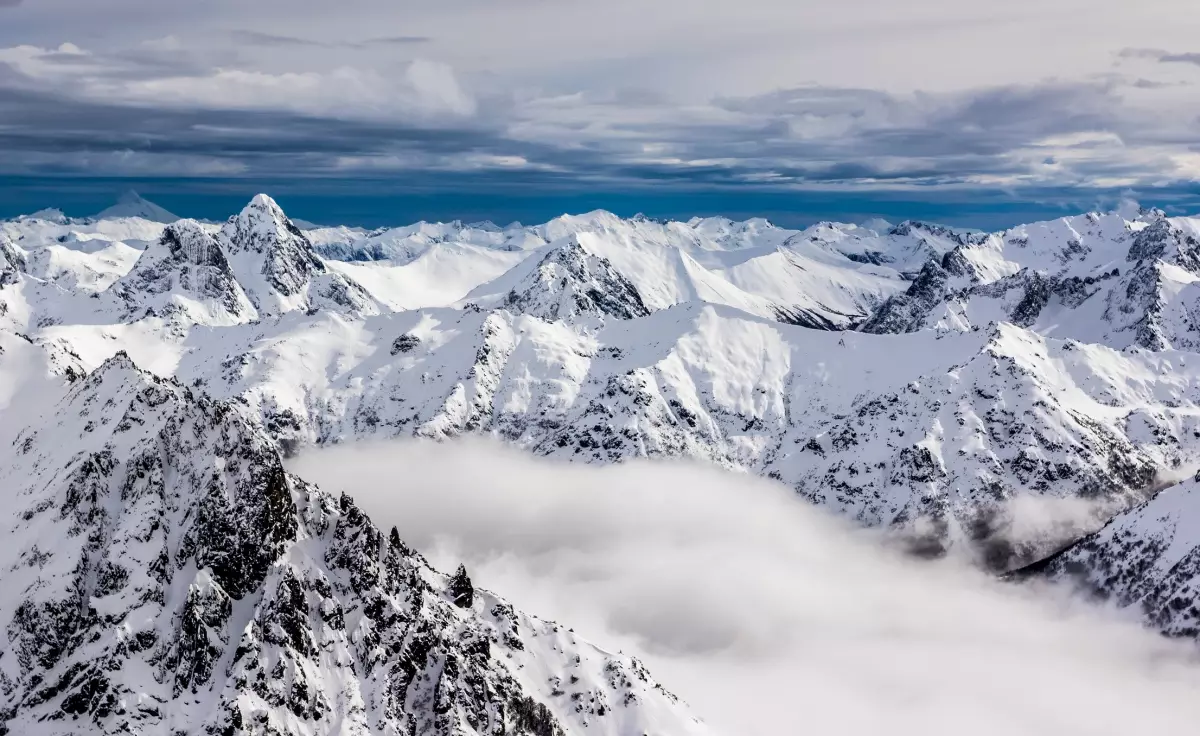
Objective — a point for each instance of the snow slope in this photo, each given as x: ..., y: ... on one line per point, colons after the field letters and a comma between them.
x: 275, y: 264
x: 166, y: 574
x: 438, y: 276
x: 914, y: 376
x: 131, y: 204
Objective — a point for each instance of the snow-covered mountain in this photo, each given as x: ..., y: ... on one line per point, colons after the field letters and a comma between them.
x: 188, y: 273
x: 166, y: 575
x: 275, y: 264
x: 911, y: 376
x: 1147, y: 558
x: 131, y: 204
x: 1093, y: 278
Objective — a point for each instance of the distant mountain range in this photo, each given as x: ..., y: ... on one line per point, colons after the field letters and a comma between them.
x: 131, y: 204
x: 910, y: 376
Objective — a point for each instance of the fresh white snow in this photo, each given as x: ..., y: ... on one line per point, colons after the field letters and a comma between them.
x: 932, y: 380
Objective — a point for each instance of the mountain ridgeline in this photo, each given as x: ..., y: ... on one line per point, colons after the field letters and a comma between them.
x: 170, y: 576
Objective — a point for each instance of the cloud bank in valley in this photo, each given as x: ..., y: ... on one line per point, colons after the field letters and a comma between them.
x: 767, y: 615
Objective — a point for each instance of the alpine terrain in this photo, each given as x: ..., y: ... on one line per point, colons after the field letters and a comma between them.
x: 168, y: 575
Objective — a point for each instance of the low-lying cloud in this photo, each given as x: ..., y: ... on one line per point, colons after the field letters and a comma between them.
x: 766, y: 615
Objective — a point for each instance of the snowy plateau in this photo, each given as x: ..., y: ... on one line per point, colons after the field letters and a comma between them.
x: 166, y: 574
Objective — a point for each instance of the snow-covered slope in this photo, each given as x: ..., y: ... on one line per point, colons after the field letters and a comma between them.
x: 784, y: 284
x: 85, y: 235
x: 437, y: 276
x: 1148, y: 559
x: 402, y: 244
x: 904, y: 248
x: 131, y: 204
x: 164, y: 574
x: 275, y: 264
x: 187, y: 275
x: 753, y: 266
x: 913, y: 376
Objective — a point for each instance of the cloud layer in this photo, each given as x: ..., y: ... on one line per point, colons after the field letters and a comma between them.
x: 309, y: 95
x: 540, y: 99
x: 767, y: 616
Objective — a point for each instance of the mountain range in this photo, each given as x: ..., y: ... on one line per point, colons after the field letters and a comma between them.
x: 155, y: 372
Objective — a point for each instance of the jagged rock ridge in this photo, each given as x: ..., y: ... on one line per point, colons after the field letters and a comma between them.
x: 1147, y: 559
x: 1050, y: 360
x: 279, y: 269
x: 166, y: 574
x: 185, y: 272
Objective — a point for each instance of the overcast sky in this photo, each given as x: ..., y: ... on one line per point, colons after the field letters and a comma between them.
x: 527, y: 105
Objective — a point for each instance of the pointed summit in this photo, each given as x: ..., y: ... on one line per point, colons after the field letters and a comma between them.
x: 572, y: 284
x: 264, y: 201
x: 186, y: 275
x: 262, y: 226
x: 131, y: 204
x: 279, y: 269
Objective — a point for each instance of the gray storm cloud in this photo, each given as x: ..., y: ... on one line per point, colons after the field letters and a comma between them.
x: 765, y: 614
x: 821, y: 95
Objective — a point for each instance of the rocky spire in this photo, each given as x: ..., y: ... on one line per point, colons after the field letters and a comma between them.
x: 279, y: 269
x: 460, y: 590
x: 186, y: 273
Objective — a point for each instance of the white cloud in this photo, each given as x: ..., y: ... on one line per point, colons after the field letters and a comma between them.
x: 763, y: 613
x: 127, y: 162
x: 859, y: 93
x: 425, y: 90
x: 435, y: 84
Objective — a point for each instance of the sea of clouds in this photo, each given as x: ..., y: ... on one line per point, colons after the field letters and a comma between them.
x: 766, y: 615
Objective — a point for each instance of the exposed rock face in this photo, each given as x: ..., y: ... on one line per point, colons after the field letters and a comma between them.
x: 1164, y: 240
x: 186, y: 273
x: 12, y: 262
x: 572, y: 285
x: 1147, y: 558
x: 461, y: 592
x: 279, y: 269
x: 907, y: 312
x: 166, y: 574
